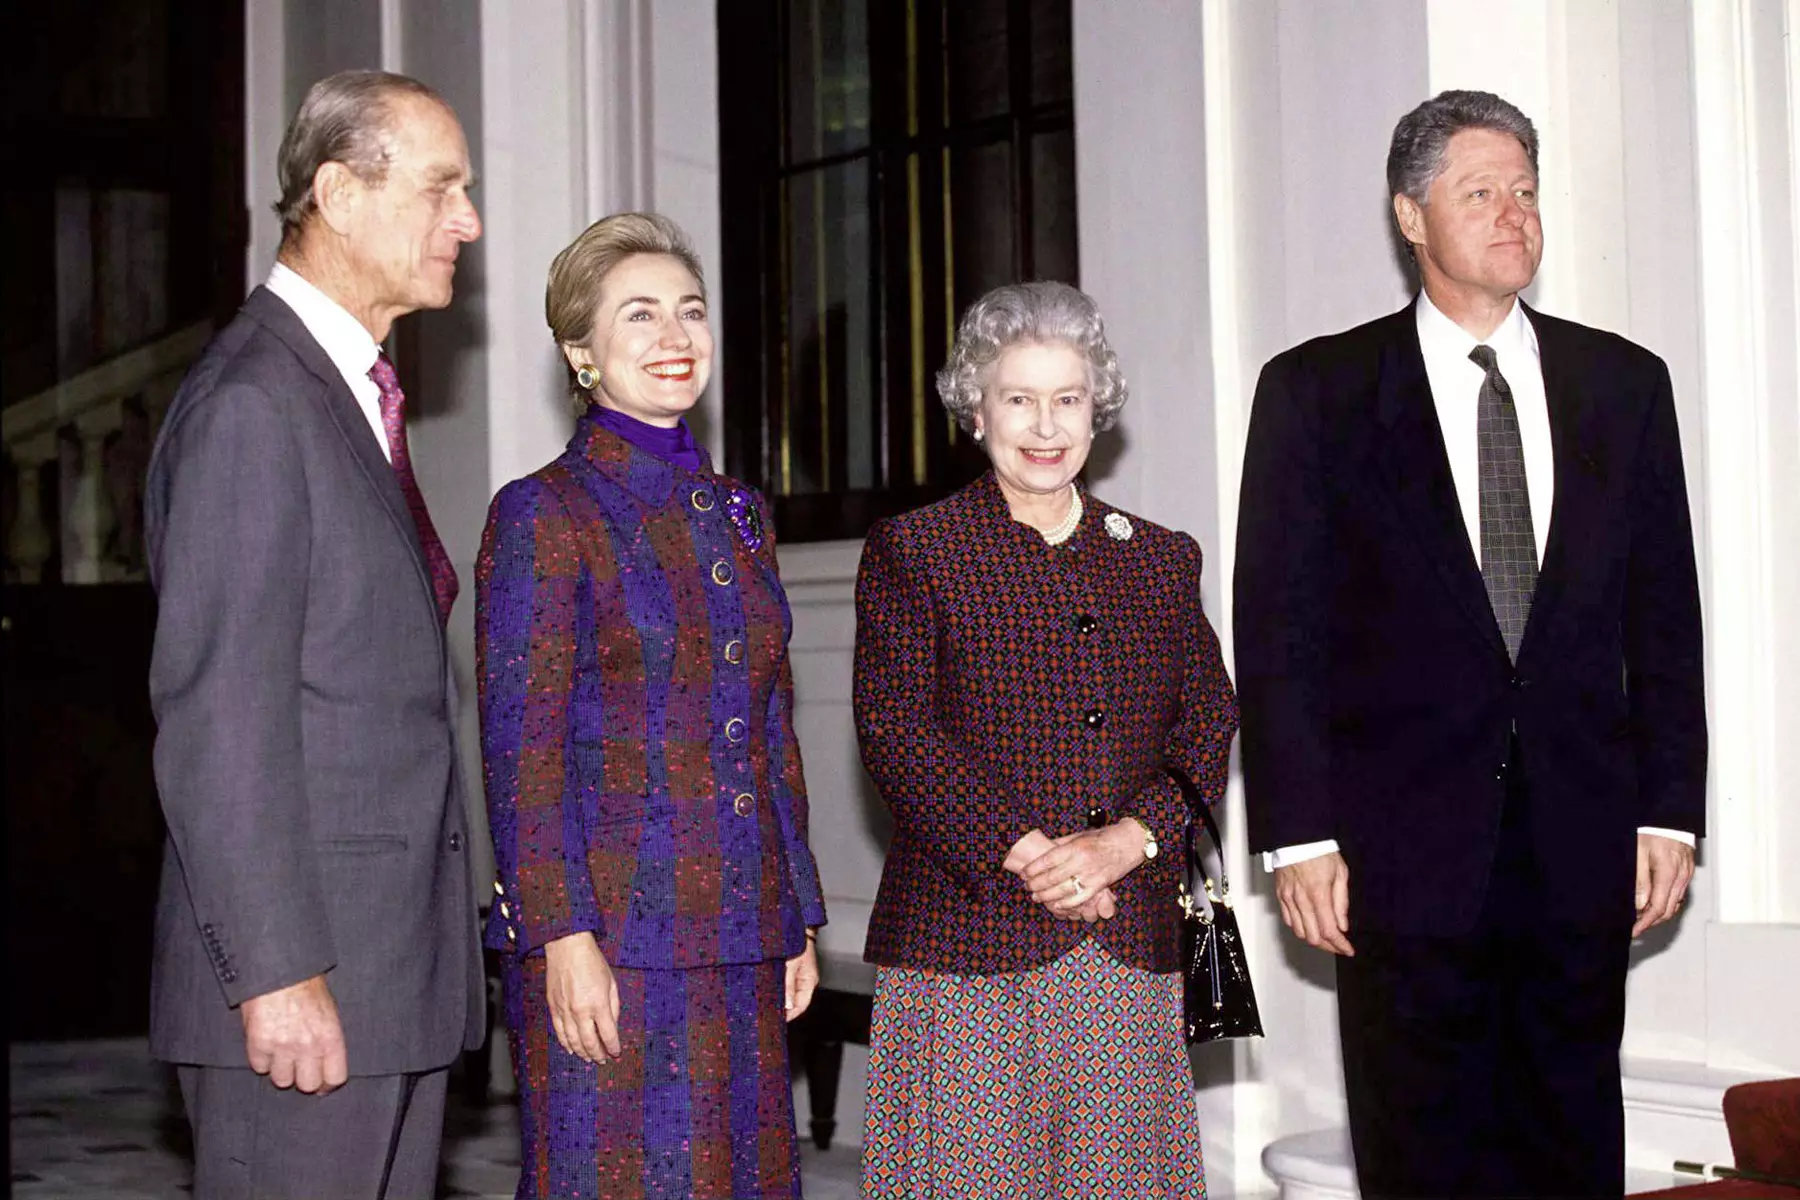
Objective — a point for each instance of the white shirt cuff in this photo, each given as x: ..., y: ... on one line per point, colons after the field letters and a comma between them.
x: 1287, y: 856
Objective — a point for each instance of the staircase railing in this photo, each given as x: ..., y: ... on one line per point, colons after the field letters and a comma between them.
x: 96, y: 429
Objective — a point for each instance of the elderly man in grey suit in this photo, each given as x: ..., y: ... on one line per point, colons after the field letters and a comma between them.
x: 316, y: 967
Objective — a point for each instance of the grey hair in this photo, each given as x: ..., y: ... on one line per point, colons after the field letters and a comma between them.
x: 344, y: 118
x: 572, y: 292
x: 1030, y: 313
x: 1422, y: 138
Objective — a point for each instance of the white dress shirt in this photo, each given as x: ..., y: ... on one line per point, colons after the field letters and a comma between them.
x: 351, y: 350
x: 1455, y: 393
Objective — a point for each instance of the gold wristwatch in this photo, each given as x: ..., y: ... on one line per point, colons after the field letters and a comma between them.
x: 1151, y: 849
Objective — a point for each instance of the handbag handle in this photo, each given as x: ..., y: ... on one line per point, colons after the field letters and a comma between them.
x: 1197, y: 804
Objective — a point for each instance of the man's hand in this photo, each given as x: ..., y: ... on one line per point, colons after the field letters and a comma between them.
x: 1665, y: 867
x: 584, y: 997
x: 802, y: 978
x: 292, y: 1035
x: 1315, y: 901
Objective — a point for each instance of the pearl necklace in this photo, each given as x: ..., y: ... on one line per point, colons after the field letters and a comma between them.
x: 1064, y: 529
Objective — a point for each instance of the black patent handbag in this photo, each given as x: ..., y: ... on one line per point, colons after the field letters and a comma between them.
x: 1220, y: 1001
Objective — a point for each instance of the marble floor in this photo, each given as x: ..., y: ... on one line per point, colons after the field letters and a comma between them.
x: 99, y: 1119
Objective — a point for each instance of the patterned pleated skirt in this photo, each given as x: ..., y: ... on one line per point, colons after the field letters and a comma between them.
x: 1067, y: 1080
x: 699, y: 1106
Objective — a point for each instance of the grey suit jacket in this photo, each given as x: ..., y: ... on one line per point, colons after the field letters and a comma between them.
x: 305, y: 750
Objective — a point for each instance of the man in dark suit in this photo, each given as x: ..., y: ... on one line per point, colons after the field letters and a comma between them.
x: 316, y: 967
x: 1468, y: 648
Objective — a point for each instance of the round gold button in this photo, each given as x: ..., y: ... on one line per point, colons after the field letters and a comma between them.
x: 735, y: 730
x: 722, y: 573
x: 734, y: 652
x: 743, y: 804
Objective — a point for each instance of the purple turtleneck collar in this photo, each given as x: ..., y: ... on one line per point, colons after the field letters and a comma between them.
x: 674, y: 445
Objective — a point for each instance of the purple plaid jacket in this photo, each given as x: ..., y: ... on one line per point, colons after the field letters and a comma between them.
x: 643, y: 781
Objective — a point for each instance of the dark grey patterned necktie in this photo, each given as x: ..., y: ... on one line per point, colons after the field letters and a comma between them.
x: 1509, y: 564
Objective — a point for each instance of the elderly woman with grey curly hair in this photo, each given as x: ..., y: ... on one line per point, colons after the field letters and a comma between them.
x: 1027, y: 659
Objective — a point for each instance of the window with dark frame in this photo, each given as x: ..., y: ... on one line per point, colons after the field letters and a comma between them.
x: 884, y: 163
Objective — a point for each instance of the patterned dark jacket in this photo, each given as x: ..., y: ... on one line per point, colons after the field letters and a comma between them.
x: 1003, y: 685
x: 643, y: 781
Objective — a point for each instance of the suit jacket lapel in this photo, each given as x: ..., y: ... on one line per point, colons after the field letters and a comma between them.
x: 1577, y: 465
x: 1418, y: 468
x: 359, y: 439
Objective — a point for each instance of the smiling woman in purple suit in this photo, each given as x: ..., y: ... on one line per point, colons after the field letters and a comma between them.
x: 656, y: 897
x: 1027, y: 659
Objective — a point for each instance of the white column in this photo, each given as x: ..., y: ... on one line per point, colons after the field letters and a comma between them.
x: 28, y: 542
x: 265, y: 118
x: 1558, y: 61
x: 682, y: 163
x: 1746, y: 153
x: 534, y: 200
x: 87, y: 515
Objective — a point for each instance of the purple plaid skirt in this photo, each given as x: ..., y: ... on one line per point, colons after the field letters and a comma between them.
x: 700, y: 1105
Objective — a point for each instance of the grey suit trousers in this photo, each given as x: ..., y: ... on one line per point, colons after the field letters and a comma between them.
x: 375, y: 1138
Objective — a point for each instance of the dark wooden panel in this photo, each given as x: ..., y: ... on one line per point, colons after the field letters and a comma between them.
x: 83, y: 828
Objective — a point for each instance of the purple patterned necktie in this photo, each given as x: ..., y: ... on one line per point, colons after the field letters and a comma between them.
x: 393, y: 423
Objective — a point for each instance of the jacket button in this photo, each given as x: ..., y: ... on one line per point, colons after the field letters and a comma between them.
x: 1086, y: 623
x: 722, y: 574
x: 1093, y: 718
x: 743, y: 804
x: 702, y: 499
x: 734, y: 730
x: 734, y: 652
x: 455, y: 841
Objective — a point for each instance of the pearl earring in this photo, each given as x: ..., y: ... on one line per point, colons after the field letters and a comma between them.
x: 980, y: 433
x: 588, y: 378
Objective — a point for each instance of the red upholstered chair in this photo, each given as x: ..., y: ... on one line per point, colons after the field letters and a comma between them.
x: 1763, y: 1121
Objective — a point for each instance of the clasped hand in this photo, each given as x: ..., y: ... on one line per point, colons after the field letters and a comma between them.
x: 1097, y: 858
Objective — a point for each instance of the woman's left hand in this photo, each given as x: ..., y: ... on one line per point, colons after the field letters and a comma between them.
x: 1095, y: 859
x: 802, y: 978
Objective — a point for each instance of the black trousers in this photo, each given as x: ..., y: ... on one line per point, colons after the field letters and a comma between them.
x: 1488, y: 1065
x: 375, y: 1138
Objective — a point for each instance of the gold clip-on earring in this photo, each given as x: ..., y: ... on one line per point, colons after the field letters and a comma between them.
x: 588, y: 378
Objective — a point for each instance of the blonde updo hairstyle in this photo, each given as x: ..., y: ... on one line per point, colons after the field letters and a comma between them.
x: 572, y: 294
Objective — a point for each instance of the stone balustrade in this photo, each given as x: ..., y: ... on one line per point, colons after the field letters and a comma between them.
x: 76, y: 455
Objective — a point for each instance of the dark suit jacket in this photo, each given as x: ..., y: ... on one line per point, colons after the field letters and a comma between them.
x: 305, y: 750
x: 1378, y: 696
x: 1003, y: 685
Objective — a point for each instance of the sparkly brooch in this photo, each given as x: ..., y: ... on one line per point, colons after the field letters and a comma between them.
x: 745, y: 517
x: 1117, y: 527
